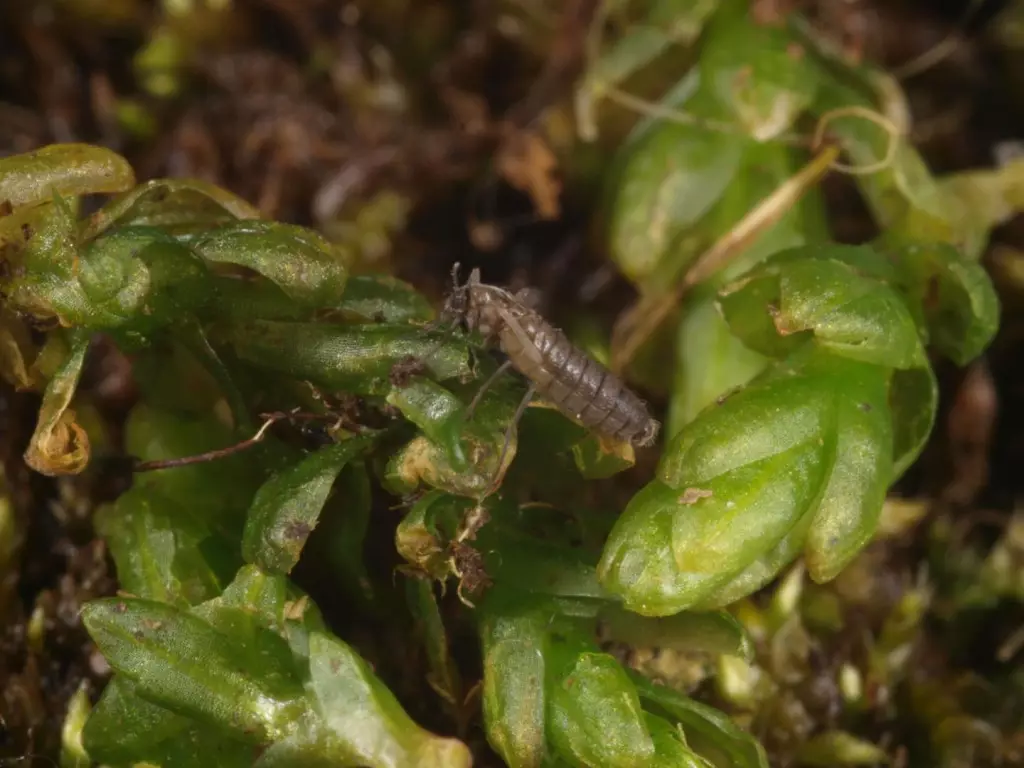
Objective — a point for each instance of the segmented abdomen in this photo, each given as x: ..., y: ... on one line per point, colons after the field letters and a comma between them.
x: 574, y: 382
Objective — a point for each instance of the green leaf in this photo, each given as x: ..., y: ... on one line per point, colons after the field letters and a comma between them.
x: 305, y: 266
x: 514, y: 644
x: 174, y: 205
x: 382, y: 298
x: 714, y: 632
x: 851, y: 502
x: 62, y: 169
x: 140, y: 278
x: 670, y: 178
x: 367, y: 725
x: 437, y: 412
x: 342, y: 534
x: 638, y: 564
x: 444, y: 675
x: 181, y: 662
x: 956, y: 299
x: 671, y: 750
x: 707, y: 730
x: 424, y: 460
x: 213, y: 493
x: 287, y: 507
x: 356, y: 359
x: 596, y: 459
x: 758, y: 72
x: 125, y: 728
x: 594, y: 714
x: 810, y: 437
x: 161, y: 552
x: 72, y: 752
x: 851, y: 315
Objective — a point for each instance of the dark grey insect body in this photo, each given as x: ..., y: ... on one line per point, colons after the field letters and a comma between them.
x: 566, y: 376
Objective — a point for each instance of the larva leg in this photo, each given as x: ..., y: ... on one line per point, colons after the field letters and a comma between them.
x: 529, y: 348
x: 495, y: 481
x: 484, y: 387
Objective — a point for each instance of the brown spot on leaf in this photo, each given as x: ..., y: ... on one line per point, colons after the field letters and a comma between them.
x: 693, y: 495
x: 297, y: 530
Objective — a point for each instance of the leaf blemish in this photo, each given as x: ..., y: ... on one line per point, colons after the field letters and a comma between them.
x: 693, y: 495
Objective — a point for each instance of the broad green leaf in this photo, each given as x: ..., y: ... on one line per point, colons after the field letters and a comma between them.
x: 308, y: 268
x: 366, y: 723
x: 161, y: 552
x: 62, y: 169
x: 353, y: 358
x: 594, y: 714
x: 40, y: 260
x: 287, y: 507
x: 181, y: 662
x: 708, y: 731
x: 513, y: 645
x: 670, y: 178
x: 759, y: 72
x: 736, y: 487
x: 126, y: 729
x: 638, y: 564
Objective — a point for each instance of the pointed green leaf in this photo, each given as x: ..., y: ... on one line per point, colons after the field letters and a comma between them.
x: 707, y: 729
x: 367, y: 725
x: 358, y: 359
x: 161, y: 552
x: 287, y: 507
x: 594, y: 714
x: 304, y: 265
x: 181, y: 662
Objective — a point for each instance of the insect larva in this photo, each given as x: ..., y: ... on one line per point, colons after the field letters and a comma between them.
x: 566, y: 376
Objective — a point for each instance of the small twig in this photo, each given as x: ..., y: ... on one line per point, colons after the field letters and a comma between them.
x: 636, y: 325
x: 269, y: 420
x: 220, y: 453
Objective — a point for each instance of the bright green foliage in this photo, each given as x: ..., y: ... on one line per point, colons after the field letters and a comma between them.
x: 250, y: 672
x: 801, y: 389
x: 800, y: 459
